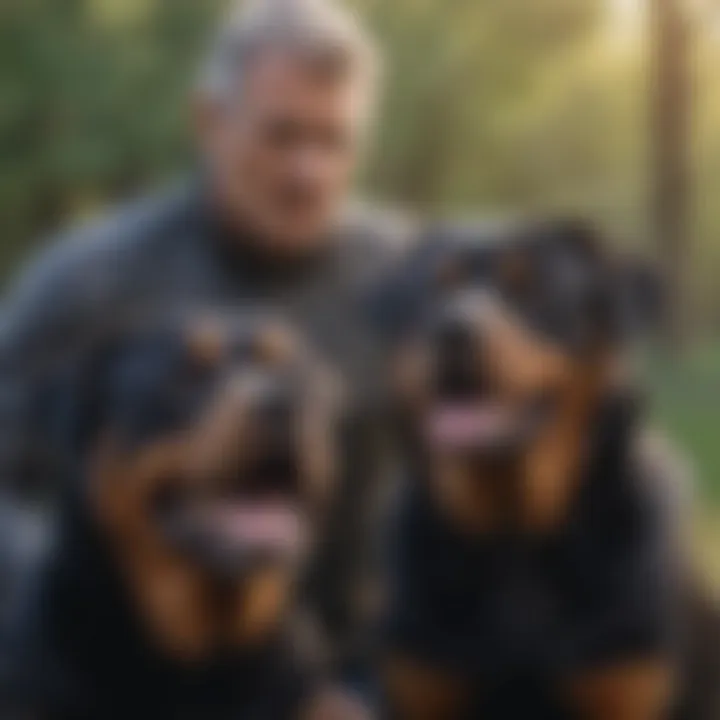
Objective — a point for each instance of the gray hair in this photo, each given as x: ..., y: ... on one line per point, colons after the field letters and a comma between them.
x: 328, y: 36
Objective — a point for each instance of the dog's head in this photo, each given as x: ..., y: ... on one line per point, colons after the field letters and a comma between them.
x: 514, y: 337
x: 206, y: 450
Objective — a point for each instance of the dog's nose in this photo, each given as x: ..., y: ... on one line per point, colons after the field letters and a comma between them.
x: 274, y: 413
x: 459, y: 356
x: 455, y: 334
x: 458, y: 334
x: 273, y: 464
x: 274, y: 407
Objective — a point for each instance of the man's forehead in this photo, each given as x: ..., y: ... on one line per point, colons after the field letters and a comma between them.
x: 296, y: 69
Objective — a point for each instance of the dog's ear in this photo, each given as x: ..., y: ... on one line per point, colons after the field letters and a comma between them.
x: 446, y: 255
x: 643, y: 296
x: 636, y: 282
x: 578, y: 235
x: 396, y: 302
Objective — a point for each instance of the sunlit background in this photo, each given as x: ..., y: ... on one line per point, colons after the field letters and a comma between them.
x: 489, y: 106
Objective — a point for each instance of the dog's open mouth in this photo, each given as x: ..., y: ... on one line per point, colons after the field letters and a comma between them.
x: 484, y: 425
x: 234, y: 534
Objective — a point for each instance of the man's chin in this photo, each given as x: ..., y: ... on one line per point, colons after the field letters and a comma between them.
x: 283, y: 244
x: 298, y: 236
x: 295, y: 246
x: 280, y: 234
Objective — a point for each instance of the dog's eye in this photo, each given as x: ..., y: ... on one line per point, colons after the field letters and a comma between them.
x: 274, y: 345
x: 515, y: 274
x: 205, y: 346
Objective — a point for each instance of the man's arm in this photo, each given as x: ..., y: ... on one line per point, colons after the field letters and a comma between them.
x: 47, y: 311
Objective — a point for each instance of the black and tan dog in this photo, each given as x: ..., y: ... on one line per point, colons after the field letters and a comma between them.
x: 204, y: 456
x: 537, y: 572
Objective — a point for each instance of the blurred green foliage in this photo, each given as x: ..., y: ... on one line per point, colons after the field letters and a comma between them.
x: 686, y: 404
x: 530, y: 104
x: 486, y: 104
x: 91, y: 104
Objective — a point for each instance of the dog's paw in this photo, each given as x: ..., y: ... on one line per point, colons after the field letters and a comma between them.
x: 334, y: 704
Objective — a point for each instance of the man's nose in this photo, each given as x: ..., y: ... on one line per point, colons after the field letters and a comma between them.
x: 309, y: 164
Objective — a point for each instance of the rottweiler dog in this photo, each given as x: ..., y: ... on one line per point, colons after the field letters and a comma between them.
x: 536, y: 563
x: 201, y: 461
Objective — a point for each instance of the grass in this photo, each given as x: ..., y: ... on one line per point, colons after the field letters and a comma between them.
x: 686, y: 405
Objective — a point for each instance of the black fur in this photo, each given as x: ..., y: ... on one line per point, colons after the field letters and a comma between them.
x: 76, y: 650
x: 517, y: 613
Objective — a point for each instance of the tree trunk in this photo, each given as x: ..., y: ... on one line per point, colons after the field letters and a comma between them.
x: 671, y: 133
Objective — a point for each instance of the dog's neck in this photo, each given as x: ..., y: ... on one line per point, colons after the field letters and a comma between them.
x: 88, y: 629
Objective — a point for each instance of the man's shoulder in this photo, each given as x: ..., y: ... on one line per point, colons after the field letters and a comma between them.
x: 121, y: 233
x: 87, y: 274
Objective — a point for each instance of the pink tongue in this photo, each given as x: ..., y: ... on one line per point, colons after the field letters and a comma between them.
x: 466, y: 426
x: 255, y: 524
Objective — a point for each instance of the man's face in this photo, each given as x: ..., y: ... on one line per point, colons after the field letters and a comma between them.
x: 282, y: 154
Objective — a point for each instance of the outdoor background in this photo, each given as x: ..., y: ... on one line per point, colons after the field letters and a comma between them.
x: 609, y: 108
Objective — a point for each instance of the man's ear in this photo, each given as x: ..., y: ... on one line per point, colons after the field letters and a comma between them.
x: 205, y: 118
x: 644, y: 297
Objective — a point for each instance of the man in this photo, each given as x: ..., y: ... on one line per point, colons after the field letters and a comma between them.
x: 281, y: 109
